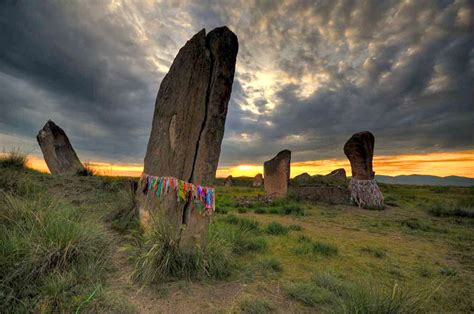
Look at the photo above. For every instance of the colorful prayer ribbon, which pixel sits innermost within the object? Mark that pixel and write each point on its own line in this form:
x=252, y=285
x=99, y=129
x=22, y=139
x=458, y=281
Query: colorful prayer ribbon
x=201, y=195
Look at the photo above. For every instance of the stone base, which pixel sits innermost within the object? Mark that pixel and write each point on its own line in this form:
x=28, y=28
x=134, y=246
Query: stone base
x=326, y=194
x=366, y=194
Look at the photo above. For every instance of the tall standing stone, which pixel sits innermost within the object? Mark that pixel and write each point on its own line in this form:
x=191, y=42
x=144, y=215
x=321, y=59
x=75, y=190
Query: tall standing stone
x=365, y=192
x=57, y=151
x=277, y=174
x=188, y=127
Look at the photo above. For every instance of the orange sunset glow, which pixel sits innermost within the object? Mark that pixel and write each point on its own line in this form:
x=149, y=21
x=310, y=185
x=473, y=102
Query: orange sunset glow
x=459, y=163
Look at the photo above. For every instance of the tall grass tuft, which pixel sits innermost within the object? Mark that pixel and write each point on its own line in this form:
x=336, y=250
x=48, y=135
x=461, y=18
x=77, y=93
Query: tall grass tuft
x=356, y=297
x=161, y=258
x=13, y=159
x=308, y=247
x=41, y=238
x=276, y=228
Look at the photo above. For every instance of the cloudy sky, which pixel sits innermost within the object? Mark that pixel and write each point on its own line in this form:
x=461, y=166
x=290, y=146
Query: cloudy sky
x=308, y=75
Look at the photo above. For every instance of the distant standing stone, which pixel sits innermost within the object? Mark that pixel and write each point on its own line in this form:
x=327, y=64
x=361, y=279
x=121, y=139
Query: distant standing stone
x=258, y=181
x=365, y=192
x=188, y=127
x=57, y=151
x=302, y=177
x=229, y=181
x=277, y=174
x=338, y=173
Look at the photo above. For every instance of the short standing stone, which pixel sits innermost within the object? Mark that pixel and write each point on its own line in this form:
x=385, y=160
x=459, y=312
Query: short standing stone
x=58, y=153
x=365, y=192
x=188, y=127
x=304, y=177
x=338, y=173
x=277, y=174
x=258, y=181
x=229, y=181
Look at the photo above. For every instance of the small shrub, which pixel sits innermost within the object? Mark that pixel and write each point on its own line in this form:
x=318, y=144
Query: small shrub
x=451, y=211
x=241, y=210
x=391, y=201
x=13, y=159
x=308, y=294
x=295, y=228
x=328, y=282
x=272, y=263
x=244, y=223
x=243, y=245
x=415, y=224
x=273, y=210
x=376, y=252
x=249, y=306
x=308, y=246
x=260, y=211
x=276, y=228
x=450, y=272
x=221, y=210
x=293, y=209
x=423, y=271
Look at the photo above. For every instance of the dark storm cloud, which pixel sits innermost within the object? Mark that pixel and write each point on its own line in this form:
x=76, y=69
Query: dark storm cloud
x=309, y=73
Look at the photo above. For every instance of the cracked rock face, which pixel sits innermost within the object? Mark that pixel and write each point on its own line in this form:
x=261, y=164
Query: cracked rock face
x=277, y=174
x=188, y=122
x=57, y=150
x=359, y=149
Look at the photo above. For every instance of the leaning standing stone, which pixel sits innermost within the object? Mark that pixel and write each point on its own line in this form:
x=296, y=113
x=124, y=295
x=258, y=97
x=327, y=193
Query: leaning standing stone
x=277, y=174
x=365, y=192
x=57, y=151
x=188, y=127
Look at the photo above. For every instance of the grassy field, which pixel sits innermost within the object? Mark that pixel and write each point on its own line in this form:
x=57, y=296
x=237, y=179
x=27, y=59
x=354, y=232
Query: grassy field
x=72, y=244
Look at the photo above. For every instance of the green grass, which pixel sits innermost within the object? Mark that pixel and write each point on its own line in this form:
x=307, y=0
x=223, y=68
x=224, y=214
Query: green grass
x=374, y=251
x=162, y=258
x=438, y=210
x=71, y=243
x=356, y=297
x=13, y=159
x=256, y=306
x=275, y=228
x=46, y=248
x=307, y=246
x=271, y=263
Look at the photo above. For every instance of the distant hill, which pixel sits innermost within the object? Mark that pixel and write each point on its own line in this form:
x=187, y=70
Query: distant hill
x=417, y=179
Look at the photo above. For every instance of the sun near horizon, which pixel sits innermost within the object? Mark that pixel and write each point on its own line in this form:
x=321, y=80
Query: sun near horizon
x=443, y=164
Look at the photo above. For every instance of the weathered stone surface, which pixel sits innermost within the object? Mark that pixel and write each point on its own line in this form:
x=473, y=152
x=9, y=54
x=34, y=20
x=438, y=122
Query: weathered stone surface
x=258, y=181
x=277, y=174
x=229, y=181
x=188, y=126
x=338, y=173
x=302, y=178
x=326, y=194
x=365, y=192
x=57, y=150
x=359, y=149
